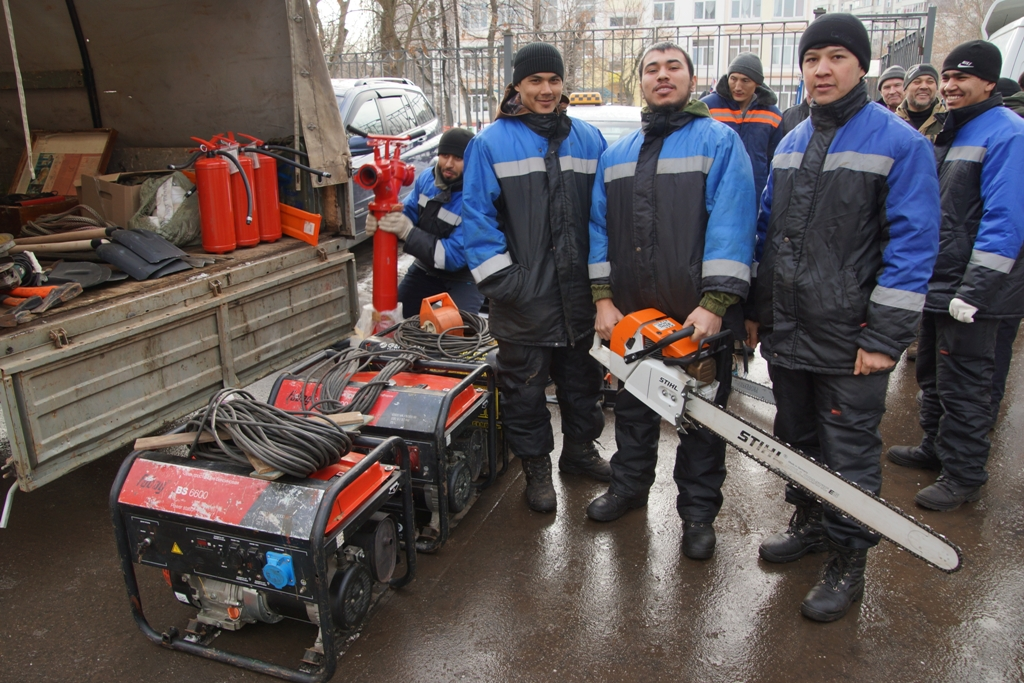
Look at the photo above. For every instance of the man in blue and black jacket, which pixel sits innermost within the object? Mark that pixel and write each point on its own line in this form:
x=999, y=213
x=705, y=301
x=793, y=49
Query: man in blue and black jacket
x=529, y=176
x=671, y=227
x=978, y=279
x=430, y=224
x=850, y=227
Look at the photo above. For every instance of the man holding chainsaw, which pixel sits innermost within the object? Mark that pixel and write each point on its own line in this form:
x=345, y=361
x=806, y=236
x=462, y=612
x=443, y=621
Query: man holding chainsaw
x=529, y=177
x=429, y=223
x=849, y=227
x=672, y=227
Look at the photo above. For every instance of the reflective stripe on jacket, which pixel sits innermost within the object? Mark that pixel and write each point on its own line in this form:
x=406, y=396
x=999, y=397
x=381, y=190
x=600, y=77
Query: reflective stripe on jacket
x=437, y=241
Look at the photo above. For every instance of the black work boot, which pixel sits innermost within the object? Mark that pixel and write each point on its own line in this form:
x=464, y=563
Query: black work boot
x=698, y=540
x=540, y=493
x=841, y=584
x=945, y=494
x=913, y=456
x=805, y=534
x=610, y=506
x=582, y=458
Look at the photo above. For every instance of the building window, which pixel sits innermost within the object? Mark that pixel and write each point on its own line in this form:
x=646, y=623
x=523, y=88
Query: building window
x=789, y=8
x=746, y=9
x=704, y=9
x=784, y=49
x=619, y=22
x=787, y=96
x=702, y=51
x=738, y=44
x=664, y=11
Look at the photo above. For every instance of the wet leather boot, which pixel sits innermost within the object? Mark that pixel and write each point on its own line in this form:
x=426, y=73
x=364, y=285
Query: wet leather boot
x=610, y=506
x=582, y=458
x=699, y=540
x=913, y=456
x=841, y=584
x=806, y=534
x=945, y=495
x=540, y=493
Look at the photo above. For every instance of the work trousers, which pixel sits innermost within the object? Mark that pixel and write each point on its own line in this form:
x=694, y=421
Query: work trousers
x=1005, y=337
x=834, y=419
x=418, y=284
x=523, y=372
x=700, y=460
x=955, y=363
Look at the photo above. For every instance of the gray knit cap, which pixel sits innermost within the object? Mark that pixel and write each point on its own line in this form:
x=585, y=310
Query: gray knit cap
x=894, y=71
x=748, y=64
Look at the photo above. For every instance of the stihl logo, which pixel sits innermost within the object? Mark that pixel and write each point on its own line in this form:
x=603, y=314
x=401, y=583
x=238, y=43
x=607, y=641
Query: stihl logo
x=758, y=444
x=965, y=65
x=670, y=385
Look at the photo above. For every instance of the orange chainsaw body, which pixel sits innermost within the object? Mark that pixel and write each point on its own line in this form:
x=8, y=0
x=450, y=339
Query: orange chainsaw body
x=653, y=326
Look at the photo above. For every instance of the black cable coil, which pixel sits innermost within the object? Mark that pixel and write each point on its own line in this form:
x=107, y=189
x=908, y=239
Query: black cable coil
x=334, y=374
x=286, y=440
x=474, y=346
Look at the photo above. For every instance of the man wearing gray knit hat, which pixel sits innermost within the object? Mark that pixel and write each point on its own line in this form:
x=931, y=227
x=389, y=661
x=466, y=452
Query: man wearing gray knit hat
x=890, y=86
x=923, y=110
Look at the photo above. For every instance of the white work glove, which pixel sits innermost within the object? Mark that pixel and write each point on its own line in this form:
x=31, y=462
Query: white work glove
x=962, y=311
x=371, y=224
x=398, y=224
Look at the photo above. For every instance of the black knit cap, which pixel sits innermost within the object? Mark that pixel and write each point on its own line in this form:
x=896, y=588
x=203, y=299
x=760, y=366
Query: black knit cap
x=894, y=71
x=920, y=70
x=454, y=142
x=748, y=64
x=536, y=58
x=844, y=30
x=976, y=58
x=1007, y=87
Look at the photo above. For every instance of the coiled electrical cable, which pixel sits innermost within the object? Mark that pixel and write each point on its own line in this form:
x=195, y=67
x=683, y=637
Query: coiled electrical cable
x=474, y=345
x=333, y=375
x=286, y=440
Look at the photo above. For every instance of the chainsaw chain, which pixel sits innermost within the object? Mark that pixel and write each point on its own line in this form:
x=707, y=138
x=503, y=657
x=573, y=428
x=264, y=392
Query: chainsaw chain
x=779, y=473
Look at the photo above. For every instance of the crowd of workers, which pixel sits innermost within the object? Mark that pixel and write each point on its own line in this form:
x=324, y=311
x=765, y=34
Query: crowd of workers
x=835, y=234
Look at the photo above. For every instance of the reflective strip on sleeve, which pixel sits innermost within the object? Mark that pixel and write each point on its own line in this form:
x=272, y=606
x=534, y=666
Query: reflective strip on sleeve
x=449, y=217
x=626, y=170
x=685, y=165
x=439, y=255
x=788, y=160
x=987, y=259
x=578, y=165
x=598, y=270
x=898, y=298
x=492, y=266
x=967, y=153
x=423, y=200
x=721, y=267
x=753, y=269
x=511, y=169
x=857, y=161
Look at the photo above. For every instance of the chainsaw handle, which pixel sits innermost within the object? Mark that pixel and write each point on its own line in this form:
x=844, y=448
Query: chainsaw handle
x=670, y=339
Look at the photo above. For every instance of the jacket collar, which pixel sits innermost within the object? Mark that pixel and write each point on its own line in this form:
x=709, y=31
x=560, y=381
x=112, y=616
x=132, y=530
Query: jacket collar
x=958, y=118
x=544, y=125
x=837, y=114
x=662, y=123
x=763, y=95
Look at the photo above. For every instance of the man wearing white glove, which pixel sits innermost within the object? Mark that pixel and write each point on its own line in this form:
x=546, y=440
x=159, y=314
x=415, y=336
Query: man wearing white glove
x=978, y=278
x=430, y=224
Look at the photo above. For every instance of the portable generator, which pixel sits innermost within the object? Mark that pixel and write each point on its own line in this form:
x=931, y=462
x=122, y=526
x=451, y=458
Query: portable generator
x=243, y=550
x=441, y=410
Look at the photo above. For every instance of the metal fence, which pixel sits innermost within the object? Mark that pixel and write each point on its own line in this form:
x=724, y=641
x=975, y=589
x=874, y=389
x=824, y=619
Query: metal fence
x=465, y=85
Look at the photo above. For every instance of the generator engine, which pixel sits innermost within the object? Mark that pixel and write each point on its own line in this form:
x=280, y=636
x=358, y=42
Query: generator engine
x=242, y=549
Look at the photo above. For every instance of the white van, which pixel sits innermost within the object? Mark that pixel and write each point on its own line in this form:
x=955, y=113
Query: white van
x=1004, y=26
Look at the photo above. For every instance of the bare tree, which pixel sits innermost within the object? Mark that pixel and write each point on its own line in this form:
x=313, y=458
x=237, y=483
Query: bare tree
x=957, y=21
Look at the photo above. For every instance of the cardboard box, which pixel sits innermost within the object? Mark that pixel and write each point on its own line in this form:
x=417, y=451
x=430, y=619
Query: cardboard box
x=60, y=157
x=115, y=196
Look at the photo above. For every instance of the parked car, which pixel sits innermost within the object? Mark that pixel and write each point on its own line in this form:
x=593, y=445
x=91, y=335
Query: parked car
x=613, y=120
x=385, y=106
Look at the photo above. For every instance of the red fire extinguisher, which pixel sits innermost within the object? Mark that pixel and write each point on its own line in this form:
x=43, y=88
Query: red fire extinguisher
x=385, y=175
x=247, y=217
x=213, y=183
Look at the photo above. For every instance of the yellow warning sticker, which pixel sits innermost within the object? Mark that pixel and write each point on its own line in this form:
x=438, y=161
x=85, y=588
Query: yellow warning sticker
x=176, y=550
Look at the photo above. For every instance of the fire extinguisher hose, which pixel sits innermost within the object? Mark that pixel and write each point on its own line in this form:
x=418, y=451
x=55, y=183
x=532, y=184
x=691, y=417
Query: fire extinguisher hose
x=245, y=180
x=286, y=160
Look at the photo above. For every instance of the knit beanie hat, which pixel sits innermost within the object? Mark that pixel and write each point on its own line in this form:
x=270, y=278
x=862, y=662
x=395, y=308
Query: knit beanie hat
x=920, y=70
x=748, y=64
x=894, y=71
x=1007, y=87
x=536, y=58
x=454, y=142
x=844, y=30
x=976, y=58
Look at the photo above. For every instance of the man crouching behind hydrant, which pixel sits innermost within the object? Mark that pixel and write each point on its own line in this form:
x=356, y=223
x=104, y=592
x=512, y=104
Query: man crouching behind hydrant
x=852, y=217
x=672, y=227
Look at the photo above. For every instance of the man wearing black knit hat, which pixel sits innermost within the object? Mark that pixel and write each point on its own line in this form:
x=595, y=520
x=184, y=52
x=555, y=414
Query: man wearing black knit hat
x=890, y=86
x=849, y=231
x=529, y=178
x=978, y=281
x=430, y=222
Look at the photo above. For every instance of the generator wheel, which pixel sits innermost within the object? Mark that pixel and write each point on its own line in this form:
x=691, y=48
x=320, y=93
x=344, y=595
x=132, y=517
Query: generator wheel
x=460, y=487
x=351, y=600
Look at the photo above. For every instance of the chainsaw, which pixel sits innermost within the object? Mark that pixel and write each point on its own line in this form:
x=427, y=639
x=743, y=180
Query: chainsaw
x=686, y=383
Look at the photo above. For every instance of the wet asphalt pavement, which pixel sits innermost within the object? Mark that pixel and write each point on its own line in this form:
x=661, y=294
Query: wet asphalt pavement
x=517, y=595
